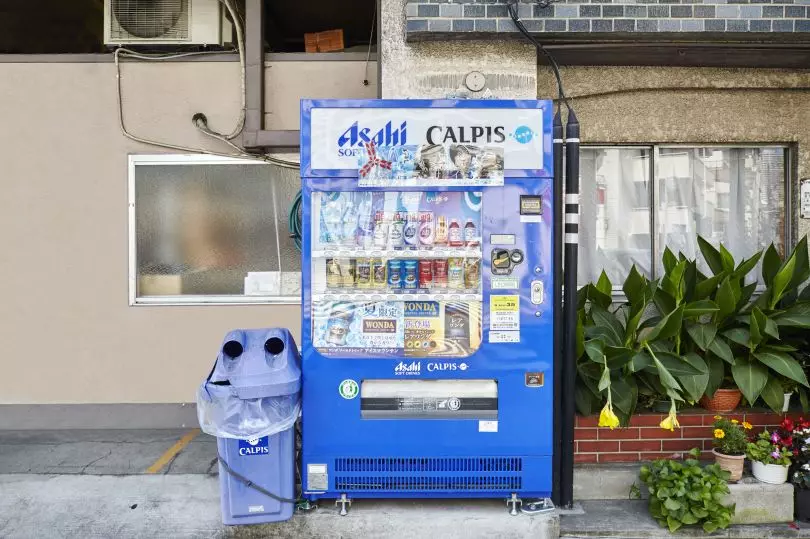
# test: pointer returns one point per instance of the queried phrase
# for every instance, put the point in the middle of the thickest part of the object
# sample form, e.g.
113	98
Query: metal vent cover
150	19
429	464
507	483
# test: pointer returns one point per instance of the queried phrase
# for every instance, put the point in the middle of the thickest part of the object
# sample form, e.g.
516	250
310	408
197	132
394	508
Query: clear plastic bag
223	414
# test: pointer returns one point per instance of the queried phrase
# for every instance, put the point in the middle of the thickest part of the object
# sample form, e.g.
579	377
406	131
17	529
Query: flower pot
731	463
724	400
786	406
772	474
802	504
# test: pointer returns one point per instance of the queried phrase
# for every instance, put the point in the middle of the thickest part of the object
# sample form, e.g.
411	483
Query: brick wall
432	19
643	439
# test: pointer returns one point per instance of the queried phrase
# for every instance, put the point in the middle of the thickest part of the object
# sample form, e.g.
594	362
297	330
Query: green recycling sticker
348	389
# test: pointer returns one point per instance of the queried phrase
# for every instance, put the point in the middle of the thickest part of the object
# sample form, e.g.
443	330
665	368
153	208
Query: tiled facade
459	17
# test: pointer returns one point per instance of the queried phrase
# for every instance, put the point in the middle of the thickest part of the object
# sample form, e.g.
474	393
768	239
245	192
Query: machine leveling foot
515	502
343	502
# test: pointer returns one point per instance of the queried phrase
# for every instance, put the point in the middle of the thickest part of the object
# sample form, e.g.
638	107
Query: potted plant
770	459
723	400
788	389
730	443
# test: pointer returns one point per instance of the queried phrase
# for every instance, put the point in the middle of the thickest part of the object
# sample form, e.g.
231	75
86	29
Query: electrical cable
512	7
294	220
370	40
250	484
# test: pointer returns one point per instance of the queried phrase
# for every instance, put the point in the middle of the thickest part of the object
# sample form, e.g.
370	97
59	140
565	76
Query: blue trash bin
250	402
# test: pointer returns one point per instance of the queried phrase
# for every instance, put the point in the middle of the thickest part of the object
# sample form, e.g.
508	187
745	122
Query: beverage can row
406	274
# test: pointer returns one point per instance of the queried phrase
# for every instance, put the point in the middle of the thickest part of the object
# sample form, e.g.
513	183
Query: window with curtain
635	201
211	230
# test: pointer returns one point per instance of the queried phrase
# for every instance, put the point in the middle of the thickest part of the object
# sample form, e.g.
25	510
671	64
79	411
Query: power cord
294	220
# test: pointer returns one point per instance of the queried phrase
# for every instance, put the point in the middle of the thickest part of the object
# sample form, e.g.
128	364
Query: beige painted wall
714	112
64	316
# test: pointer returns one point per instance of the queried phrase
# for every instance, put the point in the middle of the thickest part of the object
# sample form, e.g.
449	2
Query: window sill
194	301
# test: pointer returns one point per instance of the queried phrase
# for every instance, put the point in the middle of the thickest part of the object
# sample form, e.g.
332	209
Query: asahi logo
414	368
379	326
353	140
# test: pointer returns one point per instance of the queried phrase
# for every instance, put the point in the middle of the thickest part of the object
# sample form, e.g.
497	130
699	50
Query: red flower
787	424
795	452
788	441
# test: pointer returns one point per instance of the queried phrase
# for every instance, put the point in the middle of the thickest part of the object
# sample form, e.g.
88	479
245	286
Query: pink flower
775	454
775	437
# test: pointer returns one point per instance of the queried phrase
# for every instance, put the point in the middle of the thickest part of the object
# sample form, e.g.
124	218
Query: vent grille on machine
149	19
430	474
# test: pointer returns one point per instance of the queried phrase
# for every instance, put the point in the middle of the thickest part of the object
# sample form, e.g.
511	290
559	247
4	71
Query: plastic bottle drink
363	273
470	234
333	277
378	272
380	233
427	232
411	230
455	273
396	234
349	237
441	231
455	236
395	274
426	274
410	279
346	266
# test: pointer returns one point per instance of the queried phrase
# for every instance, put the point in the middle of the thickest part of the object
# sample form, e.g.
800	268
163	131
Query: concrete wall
64	316
692	105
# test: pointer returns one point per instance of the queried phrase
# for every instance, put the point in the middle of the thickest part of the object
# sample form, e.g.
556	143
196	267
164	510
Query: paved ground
162	483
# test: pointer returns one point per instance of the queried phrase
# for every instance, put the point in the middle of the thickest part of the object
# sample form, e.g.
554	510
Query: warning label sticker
504	336
504	313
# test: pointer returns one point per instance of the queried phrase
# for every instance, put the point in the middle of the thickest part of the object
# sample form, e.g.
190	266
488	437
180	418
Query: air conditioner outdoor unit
162	22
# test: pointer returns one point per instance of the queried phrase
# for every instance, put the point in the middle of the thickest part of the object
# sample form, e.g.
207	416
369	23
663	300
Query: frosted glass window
208	232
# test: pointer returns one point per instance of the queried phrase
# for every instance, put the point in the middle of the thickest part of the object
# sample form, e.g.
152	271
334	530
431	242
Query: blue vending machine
428	299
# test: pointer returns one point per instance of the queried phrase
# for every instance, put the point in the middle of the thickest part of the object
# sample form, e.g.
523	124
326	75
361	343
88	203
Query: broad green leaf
595	351
705	288
721	349
664	302
726	300
582	297
695	386
604	285
617	356
633	321
746	266
689	518
634	285
727	259
605	319
640	361
699	308
773	395
604	382
665	377
580	333
602	333
745	295
738	335
770	264
672	504
702	334
669	260
782	280
771	329
678	366
756	328
805	295
802	271
584	400
668	327
597	297
783	364
625	393
797	315
803	399
673	524
710	255
689	280
750	377
673	284
717	371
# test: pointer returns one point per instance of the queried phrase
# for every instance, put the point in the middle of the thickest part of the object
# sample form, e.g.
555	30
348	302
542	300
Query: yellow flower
734	421
671	421
719	434
607	418
718	417
747	425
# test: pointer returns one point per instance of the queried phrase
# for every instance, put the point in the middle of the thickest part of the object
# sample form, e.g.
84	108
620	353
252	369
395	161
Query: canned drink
440	273
425	273
363	273
333	277
378	273
396	234
395	274
472	272
410	279
455	273
346	266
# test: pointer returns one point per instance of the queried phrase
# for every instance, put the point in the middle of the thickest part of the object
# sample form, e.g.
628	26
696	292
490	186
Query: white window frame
138	160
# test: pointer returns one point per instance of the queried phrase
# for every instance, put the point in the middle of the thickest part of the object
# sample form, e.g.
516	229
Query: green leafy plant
768	451
685	493
730	437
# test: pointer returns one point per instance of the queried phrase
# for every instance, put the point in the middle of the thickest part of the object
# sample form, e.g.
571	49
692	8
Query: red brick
662	455
697	432
691	419
585	434
618	457
657	433
646	420
585	458
646	445
763	418
597	447
589	421
681	445
618	434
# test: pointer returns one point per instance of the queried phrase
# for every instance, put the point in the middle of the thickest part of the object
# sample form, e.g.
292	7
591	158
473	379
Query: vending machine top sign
421	143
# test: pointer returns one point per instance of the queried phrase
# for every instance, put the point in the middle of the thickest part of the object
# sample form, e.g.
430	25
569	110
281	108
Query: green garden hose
294	220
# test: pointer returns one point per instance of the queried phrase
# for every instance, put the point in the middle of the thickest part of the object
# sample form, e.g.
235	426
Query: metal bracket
343	502
538	506
515	502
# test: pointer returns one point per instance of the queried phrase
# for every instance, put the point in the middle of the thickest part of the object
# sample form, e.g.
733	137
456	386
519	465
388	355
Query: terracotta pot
723	401
731	463
773	474
802	504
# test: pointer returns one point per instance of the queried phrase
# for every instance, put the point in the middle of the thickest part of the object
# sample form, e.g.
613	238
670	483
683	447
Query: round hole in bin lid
232	349
274	345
